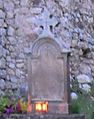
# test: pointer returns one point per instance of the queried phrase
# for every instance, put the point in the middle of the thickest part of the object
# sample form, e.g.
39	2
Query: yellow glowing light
38	106
41	107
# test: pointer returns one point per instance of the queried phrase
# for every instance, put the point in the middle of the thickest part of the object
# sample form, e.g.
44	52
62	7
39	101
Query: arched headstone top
46	40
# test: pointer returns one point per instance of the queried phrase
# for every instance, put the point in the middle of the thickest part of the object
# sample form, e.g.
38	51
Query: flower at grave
18	106
23	106
29	106
9	110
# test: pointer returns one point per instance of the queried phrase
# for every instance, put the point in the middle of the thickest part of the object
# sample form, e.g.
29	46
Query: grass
83	105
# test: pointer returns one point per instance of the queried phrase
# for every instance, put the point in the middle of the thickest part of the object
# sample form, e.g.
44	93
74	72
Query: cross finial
46	21
49	21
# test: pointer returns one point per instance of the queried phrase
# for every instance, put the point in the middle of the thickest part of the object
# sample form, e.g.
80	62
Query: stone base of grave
44	116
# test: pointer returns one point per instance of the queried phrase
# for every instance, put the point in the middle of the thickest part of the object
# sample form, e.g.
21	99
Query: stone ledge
45	116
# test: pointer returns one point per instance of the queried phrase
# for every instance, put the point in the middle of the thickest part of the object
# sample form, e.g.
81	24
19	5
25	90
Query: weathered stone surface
27	50
14	79
36	10
1	92
82	78
4	53
74	43
20	60
2	31
21	57
2	14
3	74
20	65
46	116
11	31
86	88
91	41
10	14
8	85
2	84
85	69
37	2
1	4
9	59
10	71
12	40
8	5
24	3
2	63
14	86
10	23
1	51
18	72
11	65
17	2
1	22
51	70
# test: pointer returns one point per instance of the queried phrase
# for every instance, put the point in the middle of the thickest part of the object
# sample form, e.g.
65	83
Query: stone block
2	14
2	63
1	51
11	31
24	2
10	14
14	79
82	78
1	22
1	4
45	116
2	31
2	84
8	5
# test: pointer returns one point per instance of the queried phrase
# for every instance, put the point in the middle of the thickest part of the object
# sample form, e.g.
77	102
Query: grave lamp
41	107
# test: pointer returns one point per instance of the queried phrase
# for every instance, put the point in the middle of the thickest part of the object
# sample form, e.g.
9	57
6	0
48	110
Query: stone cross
46	21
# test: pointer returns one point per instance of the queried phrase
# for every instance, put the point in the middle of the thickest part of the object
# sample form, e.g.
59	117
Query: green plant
4	101
85	102
92	116
74	107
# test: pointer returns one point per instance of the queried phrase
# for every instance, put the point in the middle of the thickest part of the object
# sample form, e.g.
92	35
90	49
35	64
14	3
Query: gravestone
48	74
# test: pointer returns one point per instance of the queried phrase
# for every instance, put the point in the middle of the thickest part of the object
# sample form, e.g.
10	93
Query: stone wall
20	26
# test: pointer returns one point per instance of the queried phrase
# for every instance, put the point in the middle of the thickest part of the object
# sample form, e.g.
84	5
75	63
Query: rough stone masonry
19	28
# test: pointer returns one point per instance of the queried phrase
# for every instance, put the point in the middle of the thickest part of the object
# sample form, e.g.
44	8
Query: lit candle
45	107
38	106
41	106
